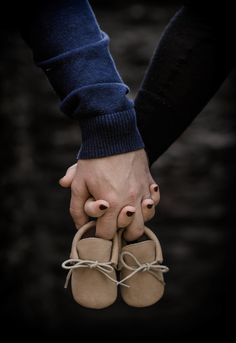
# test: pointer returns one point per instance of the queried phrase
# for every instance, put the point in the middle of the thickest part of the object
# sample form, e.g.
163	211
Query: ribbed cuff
109	134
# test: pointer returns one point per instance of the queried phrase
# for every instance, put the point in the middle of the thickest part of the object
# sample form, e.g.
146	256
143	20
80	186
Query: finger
155	193
136	228
148	209
107	224
95	208
67	179
79	195
125	216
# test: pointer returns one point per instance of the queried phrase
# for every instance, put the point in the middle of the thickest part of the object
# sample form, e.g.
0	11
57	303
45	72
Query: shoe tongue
144	251
94	249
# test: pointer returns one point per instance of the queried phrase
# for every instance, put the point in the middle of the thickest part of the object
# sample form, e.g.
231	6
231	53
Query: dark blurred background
194	221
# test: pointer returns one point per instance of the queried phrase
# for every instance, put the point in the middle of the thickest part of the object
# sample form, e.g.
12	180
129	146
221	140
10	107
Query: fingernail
103	207
155	188
129	213
149	205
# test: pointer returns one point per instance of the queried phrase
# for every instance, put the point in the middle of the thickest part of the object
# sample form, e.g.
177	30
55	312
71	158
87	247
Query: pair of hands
119	190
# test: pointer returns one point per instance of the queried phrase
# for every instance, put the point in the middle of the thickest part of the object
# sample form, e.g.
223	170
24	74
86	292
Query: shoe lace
151	267
105	268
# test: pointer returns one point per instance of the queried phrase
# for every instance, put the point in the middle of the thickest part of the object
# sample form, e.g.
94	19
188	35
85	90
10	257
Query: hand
121	180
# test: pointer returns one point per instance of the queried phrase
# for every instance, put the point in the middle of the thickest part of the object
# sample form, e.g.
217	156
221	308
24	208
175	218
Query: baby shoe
92	267
141	271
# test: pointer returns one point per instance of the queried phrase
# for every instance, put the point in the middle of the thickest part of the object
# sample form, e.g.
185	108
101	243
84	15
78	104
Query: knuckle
76	214
133	194
76	184
75	188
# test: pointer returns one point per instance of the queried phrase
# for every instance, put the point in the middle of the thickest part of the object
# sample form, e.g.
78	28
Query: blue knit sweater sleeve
68	44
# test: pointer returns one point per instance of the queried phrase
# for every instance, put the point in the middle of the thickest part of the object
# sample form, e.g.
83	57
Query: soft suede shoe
92	268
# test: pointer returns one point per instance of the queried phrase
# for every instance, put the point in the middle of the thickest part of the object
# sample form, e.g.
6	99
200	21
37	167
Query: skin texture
123	181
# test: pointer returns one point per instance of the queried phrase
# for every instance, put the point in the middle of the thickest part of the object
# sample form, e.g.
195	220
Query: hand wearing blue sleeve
73	51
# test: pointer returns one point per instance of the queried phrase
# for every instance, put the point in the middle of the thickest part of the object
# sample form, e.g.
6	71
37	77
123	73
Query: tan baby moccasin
92	268
141	271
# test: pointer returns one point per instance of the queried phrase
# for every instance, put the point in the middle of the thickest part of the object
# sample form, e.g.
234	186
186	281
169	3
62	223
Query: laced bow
105	268
151	267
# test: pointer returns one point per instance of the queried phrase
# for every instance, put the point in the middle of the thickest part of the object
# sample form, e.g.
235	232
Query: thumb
67	179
